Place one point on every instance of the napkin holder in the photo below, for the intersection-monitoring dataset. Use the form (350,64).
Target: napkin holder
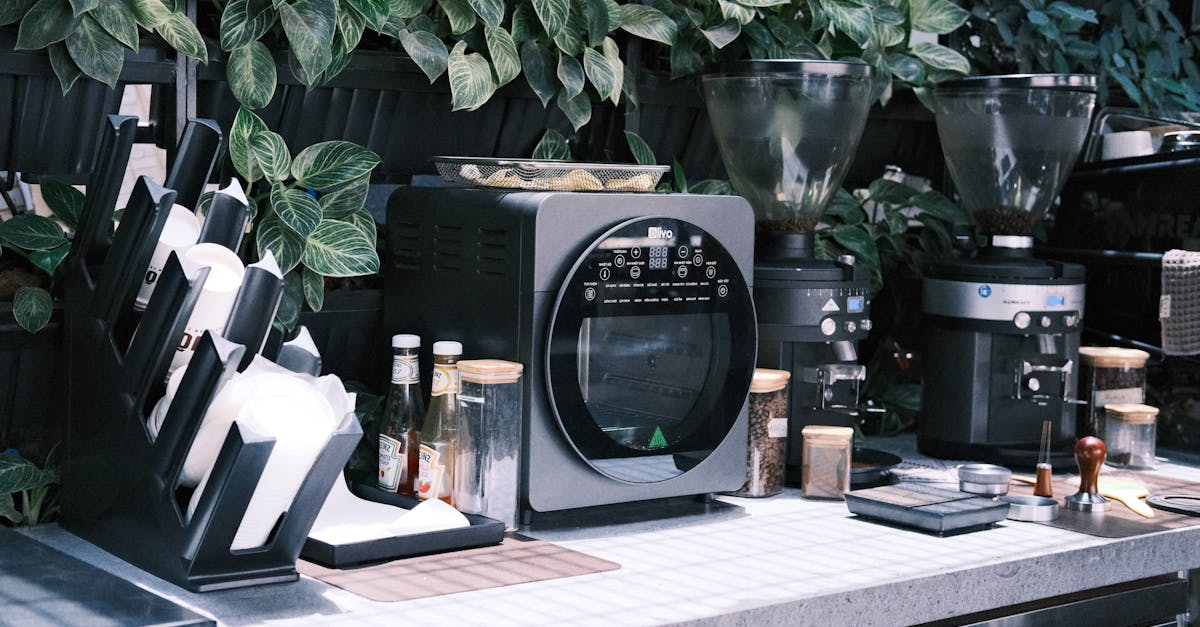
(120,485)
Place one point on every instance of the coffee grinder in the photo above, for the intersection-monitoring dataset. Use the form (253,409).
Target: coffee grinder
(787,131)
(1002,329)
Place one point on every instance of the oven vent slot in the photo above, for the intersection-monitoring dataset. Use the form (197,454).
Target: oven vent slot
(406,246)
(448,254)
(492,256)
(657,389)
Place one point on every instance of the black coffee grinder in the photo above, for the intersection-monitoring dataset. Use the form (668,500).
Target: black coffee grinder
(1002,329)
(787,131)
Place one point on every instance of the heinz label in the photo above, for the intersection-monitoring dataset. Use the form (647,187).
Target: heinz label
(404,369)
(431,473)
(391,460)
(445,379)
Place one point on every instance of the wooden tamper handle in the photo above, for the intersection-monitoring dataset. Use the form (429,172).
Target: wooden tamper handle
(1089,455)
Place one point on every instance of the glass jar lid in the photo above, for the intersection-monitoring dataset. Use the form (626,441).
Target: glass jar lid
(822,432)
(767,380)
(489,371)
(1132,413)
(1113,357)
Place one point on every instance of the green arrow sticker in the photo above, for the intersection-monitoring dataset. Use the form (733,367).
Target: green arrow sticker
(658,440)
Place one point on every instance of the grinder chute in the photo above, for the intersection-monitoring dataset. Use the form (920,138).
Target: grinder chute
(1002,334)
(787,131)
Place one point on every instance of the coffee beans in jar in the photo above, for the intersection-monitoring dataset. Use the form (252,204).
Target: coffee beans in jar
(1005,221)
(767,450)
(1108,375)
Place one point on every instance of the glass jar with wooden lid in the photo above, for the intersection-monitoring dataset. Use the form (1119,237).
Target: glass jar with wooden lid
(1130,429)
(825,471)
(1109,375)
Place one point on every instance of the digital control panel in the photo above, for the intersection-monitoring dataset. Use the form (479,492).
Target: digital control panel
(653,262)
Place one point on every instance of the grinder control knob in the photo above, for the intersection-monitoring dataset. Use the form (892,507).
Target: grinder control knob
(1021,320)
(851,326)
(828,326)
(1070,320)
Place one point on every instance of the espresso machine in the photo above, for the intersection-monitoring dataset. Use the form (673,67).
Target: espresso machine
(787,131)
(1002,328)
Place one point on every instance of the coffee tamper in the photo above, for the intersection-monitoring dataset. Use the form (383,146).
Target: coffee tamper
(1089,455)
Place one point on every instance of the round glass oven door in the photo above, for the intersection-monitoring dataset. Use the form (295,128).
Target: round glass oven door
(651,349)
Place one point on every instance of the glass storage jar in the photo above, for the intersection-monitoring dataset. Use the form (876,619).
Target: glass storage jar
(766,453)
(825,471)
(1130,435)
(489,440)
(1109,375)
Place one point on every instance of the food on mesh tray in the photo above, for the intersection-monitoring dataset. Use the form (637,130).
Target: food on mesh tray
(503,177)
(470,172)
(637,182)
(575,180)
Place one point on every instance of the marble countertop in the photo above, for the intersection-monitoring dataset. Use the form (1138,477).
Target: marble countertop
(733,561)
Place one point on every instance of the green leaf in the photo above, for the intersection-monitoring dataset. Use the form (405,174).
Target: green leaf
(1072,11)
(723,34)
(471,81)
(342,203)
(309,26)
(83,6)
(570,75)
(570,38)
(859,242)
(251,74)
(13,10)
(605,76)
(64,201)
(460,14)
(95,52)
(245,125)
(407,9)
(285,244)
(642,153)
(525,24)
(271,154)
(735,11)
(332,163)
(685,61)
(648,23)
(376,11)
(538,64)
(350,27)
(889,191)
(18,475)
(552,146)
(427,51)
(47,22)
(340,249)
(117,20)
(314,289)
(8,510)
(49,260)
(941,57)
(64,68)
(31,308)
(299,211)
(936,16)
(32,232)
(595,17)
(906,68)
(239,26)
(150,13)
(490,11)
(577,108)
(364,222)
(181,34)
(505,59)
(1038,18)
(714,187)
(552,14)
(885,14)
(937,205)
(852,19)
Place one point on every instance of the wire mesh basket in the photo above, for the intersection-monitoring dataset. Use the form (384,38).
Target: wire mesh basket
(537,174)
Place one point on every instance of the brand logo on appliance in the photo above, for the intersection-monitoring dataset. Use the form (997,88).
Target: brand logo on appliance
(657,232)
(985,291)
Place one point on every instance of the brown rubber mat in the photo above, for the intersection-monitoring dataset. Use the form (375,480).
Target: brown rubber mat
(516,560)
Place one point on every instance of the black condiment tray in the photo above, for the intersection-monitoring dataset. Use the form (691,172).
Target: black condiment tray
(483,531)
(938,510)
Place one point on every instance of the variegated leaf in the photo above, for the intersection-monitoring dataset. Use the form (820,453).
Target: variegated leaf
(299,211)
(427,51)
(47,22)
(332,163)
(309,26)
(251,74)
(340,249)
(271,153)
(471,81)
(344,202)
(505,59)
(245,124)
(117,20)
(285,244)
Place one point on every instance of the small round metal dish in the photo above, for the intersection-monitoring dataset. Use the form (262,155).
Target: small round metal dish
(984,479)
(1031,508)
(870,467)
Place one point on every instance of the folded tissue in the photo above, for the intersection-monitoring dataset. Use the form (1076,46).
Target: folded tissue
(348,519)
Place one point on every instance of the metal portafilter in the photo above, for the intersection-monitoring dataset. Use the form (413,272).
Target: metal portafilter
(1089,454)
